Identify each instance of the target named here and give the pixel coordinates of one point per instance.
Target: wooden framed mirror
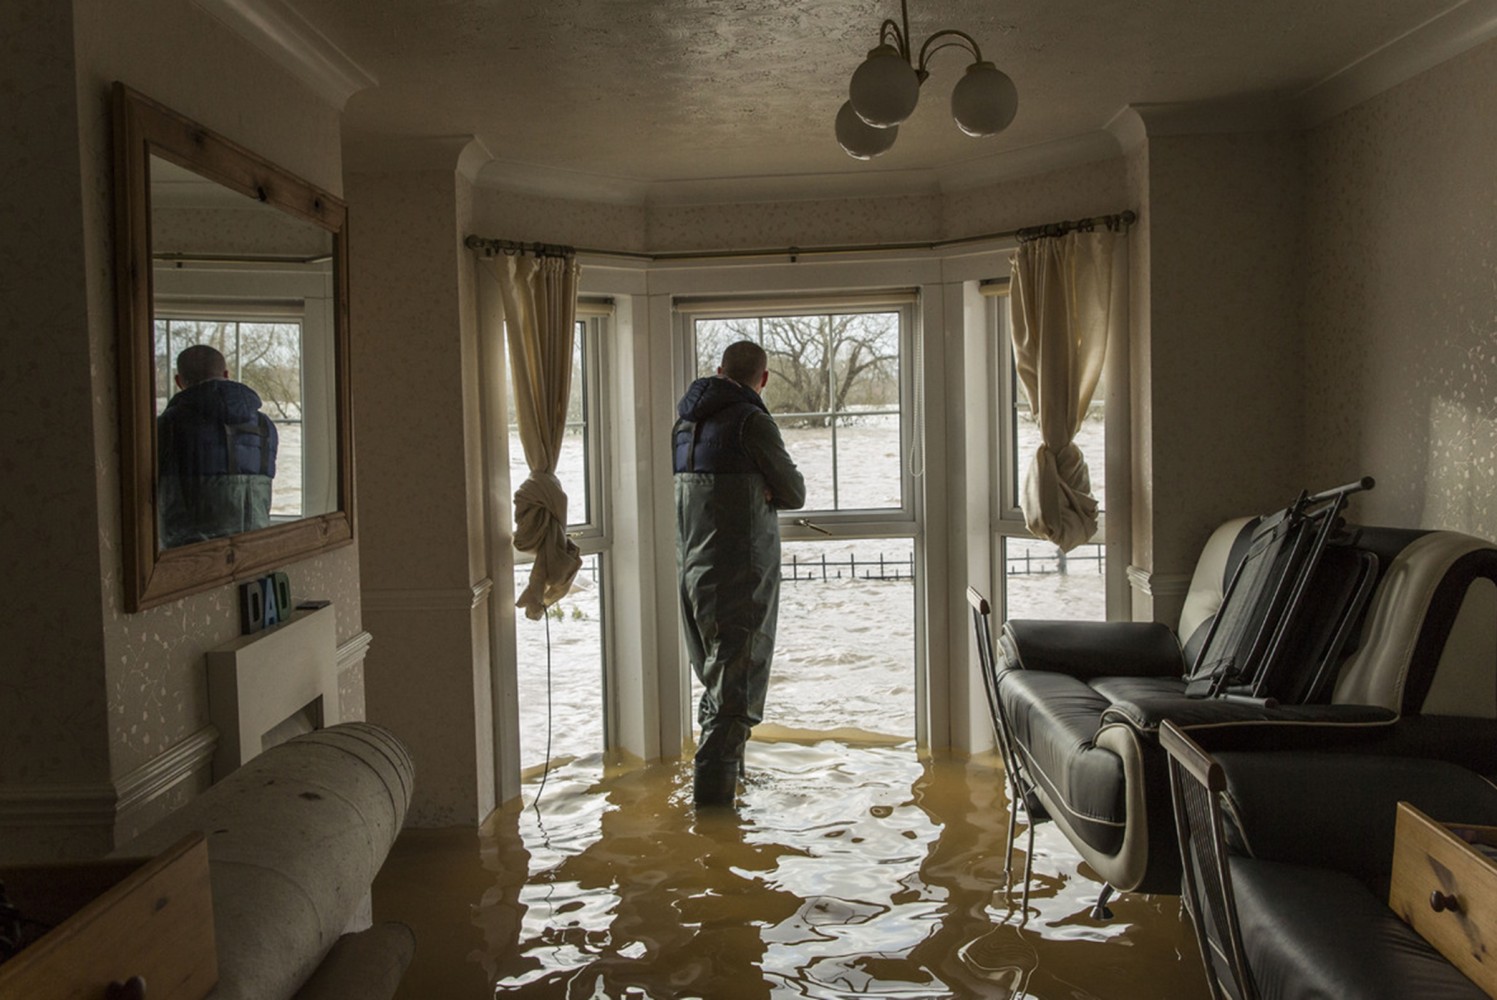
(218, 247)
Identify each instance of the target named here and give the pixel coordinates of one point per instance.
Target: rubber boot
(714, 783)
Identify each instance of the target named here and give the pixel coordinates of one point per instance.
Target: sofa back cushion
(1429, 644)
(1208, 585)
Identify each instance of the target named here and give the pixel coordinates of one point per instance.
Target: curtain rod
(230, 258)
(490, 247)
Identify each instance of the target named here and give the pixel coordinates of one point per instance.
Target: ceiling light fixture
(883, 91)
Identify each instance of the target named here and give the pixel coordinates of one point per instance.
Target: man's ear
(764, 379)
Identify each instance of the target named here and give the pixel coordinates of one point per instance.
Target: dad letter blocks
(264, 602)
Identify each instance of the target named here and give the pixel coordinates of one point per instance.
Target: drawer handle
(1439, 902)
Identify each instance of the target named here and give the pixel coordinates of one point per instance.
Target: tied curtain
(539, 295)
(1064, 299)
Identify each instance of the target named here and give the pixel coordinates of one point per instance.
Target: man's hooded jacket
(217, 455)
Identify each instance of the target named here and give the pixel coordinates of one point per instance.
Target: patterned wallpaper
(1098, 188)
(49, 502)
(796, 223)
(533, 218)
(1223, 363)
(1401, 303)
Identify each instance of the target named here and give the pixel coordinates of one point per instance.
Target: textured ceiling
(649, 93)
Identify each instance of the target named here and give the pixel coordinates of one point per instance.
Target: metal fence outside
(901, 566)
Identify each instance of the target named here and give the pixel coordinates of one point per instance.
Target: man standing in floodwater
(732, 477)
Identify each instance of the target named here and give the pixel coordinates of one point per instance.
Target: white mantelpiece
(267, 687)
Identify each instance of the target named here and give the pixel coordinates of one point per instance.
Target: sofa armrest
(1336, 810)
(1085, 650)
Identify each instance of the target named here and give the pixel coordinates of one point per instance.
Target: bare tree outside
(822, 367)
(270, 363)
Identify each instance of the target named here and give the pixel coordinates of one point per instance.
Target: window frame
(593, 534)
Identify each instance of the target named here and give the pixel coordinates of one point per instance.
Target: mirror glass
(235, 457)
(250, 439)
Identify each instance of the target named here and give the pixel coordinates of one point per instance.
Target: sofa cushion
(1317, 934)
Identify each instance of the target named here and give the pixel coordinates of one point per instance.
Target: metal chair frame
(1197, 784)
(1012, 763)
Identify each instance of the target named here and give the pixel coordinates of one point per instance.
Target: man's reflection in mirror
(216, 454)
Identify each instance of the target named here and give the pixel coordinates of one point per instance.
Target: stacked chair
(1287, 862)
(1299, 633)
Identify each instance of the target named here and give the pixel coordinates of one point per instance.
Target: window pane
(1091, 439)
(865, 380)
(575, 686)
(868, 462)
(1027, 441)
(800, 350)
(713, 337)
(165, 363)
(845, 639)
(1042, 582)
(810, 447)
(572, 463)
(270, 363)
(834, 389)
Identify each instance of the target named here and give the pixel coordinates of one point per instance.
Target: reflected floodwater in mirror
(847, 871)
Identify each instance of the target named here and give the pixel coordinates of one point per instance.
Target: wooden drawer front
(1446, 890)
(156, 924)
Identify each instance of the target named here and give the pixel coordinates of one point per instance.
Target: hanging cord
(545, 767)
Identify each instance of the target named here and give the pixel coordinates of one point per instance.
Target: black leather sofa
(1079, 704)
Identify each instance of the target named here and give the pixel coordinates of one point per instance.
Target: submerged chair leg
(1008, 845)
(1101, 911)
(1028, 861)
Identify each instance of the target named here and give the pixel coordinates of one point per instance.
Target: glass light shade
(883, 90)
(984, 100)
(860, 140)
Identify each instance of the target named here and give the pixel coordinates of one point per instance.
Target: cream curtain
(539, 295)
(1065, 298)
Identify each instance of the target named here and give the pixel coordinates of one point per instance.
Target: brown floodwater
(847, 871)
